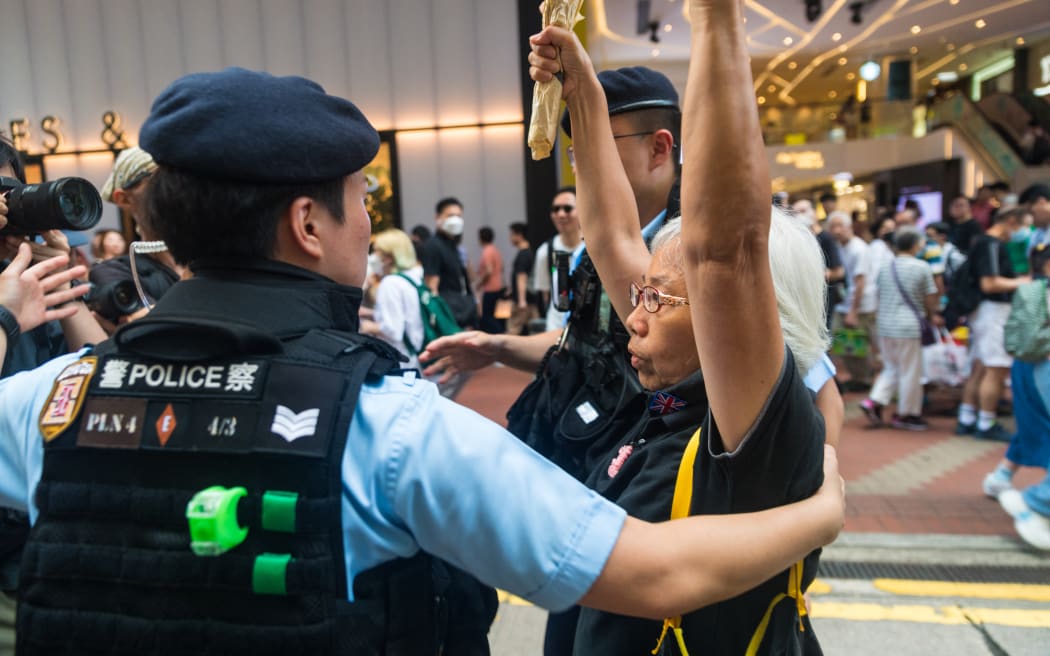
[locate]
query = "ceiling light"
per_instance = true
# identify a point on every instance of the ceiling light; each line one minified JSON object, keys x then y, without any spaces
{"x":833,"y":94}
{"x":1020,"y":41}
{"x":656,"y":52}
{"x":913,"y":50}
{"x":870,"y":70}
{"x":842,"y":61}
{"x":761,"y":100}
{"x":963,"y":66}
{"x":851,"y":76}
{"x":771,"y":88}
{"x":935,"y":81}
{"x":953,"y":2}
{"x":950,"y":46}
{"x":980,"y":24}
{"x":915,"y":29}
{"x":947,"y":77}
{"x":837,"y":36}
{"x":792,"y":65}
{"x":668,"y":27}
{"x":788,"y":40}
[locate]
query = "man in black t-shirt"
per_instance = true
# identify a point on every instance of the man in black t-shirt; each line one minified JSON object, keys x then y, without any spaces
{"x":834,"y":267}
{"x":523,"y":308}
{"x":965,"y":228}
{"x":991,"y":362}
{"x":443,"y":272}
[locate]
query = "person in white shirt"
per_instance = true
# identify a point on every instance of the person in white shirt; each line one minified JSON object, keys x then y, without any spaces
{"x":864,"y":300}
{"x":853,"y":248}
{"x":569,"y":239}
{"x":397,"y":316}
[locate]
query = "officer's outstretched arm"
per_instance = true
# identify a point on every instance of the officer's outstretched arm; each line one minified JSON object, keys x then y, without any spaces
{"x":667,"y":569}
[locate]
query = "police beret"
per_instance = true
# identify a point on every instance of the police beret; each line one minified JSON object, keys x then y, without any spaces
{"x":632,"y":89}
{"x":255,"y":127}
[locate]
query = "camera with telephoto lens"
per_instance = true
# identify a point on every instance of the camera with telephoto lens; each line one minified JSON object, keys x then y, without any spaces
{"x":114,"y":299}
{"x":65,"y":203}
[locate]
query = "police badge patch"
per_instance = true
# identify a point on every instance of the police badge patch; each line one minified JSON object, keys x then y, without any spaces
{"x":67,"y":396}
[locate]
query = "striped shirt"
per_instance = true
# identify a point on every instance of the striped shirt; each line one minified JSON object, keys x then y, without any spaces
{"x":895,"y":318}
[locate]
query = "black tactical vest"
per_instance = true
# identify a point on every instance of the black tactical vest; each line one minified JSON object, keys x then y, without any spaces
{"x":258,"y":406}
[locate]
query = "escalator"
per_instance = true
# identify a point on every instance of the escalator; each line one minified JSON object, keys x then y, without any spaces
{"x":995,"y":147}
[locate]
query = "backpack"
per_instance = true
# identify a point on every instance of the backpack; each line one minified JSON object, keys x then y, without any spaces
{"x":964,"y":293}
{"x":1027,"y":333}
{"x":438,"y":320}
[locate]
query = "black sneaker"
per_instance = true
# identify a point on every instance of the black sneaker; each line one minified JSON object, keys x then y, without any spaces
{"x":911,"y":423}
{"x":965,"y":429}
{"x":873,"y":411}
{"x":995,"y":433}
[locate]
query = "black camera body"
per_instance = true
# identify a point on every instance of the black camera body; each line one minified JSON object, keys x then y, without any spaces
{"x":114,"y":299}
{"x":65,"y":203}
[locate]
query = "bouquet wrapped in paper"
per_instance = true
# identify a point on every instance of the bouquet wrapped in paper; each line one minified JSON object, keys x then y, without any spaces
{"x":546,"y":96}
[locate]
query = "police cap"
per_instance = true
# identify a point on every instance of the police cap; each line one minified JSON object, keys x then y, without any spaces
{"x":250,"y":126}
{"x":632,"y":89}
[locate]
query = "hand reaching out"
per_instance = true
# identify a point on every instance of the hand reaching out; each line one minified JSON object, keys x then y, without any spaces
{"x":35,"y":293}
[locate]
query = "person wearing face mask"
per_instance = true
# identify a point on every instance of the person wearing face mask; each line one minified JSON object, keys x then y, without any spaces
{"x":991,"y":363}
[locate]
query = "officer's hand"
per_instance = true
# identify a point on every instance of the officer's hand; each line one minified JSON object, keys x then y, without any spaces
{"x":453,"y":354}
{"x":34,"y":293}
{"x":833,"y":491}
{"x":555,"y":50}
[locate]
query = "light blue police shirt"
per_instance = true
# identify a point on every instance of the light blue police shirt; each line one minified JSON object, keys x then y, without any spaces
{"x":419,"y":472}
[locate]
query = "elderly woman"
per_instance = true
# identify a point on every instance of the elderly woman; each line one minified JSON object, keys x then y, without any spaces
{"x":723,"y":316}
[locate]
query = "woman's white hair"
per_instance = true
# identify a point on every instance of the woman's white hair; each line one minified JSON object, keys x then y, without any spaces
{"x":797,"y":266}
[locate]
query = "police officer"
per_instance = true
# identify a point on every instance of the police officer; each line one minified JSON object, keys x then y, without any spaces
{"x":226,"y":474}
{"x":586,"y":395}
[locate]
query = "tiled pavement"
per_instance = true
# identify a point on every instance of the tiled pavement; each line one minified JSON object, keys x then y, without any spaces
{"x":898,"y":482}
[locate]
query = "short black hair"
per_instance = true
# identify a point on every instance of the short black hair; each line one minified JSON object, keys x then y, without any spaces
{"x":567,"y":189}
{"x":485,"y":235}
{"x":1013,"y":213}
{"x":198,"y":216}
{"x":1000,"y":185}
{"x":421,"y":232}
{"x":445,"y":202}
{"x":519,"y":228}
{"x":10,"y":156}
{"x":1034,"y":193}
{"x":1040,"y":256}
{"x":939,"y":227}
{"x":658,"y":118}
{"x":828,"y":197}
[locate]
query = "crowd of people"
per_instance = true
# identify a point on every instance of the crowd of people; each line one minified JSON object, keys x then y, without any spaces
{"x":248,"y":461}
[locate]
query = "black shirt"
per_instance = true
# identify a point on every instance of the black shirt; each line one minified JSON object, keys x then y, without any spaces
{"x":989,"y":258}
{"x":522,"y":264}
{"x":441,"y":258}
{"x":830,"y":248}
{"x":964,"y":234}
{"x":779,"y":462}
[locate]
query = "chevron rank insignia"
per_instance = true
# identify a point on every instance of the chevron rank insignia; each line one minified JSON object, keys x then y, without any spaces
{"x":66,"y":398}
{"x":292,"y":426}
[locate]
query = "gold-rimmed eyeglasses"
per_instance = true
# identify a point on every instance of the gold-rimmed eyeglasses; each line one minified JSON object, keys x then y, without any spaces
{"x":652,"y":298}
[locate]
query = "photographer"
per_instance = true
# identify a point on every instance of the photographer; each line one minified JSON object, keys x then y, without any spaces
{"x":114,"y":298}
{"x":60,"y":333}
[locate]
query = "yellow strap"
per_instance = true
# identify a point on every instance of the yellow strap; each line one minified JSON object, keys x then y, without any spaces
{"x":683,"y":498}
{"x":683,"y":485}
{"x":760,"y":632}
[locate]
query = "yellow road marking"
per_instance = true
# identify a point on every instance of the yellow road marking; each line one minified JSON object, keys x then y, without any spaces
{"x":1018,"y":591}
{"x":865,"y":612}
{"x":818,"y":587}
{"x":514,"y":600}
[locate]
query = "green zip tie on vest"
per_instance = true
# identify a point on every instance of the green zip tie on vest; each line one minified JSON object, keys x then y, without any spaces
{"x":278,"y":511}
{"x":212,"y":517}
{"x":270,"y":574}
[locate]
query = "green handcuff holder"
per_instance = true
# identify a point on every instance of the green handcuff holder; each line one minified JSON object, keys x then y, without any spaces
{"x":212,"y":518}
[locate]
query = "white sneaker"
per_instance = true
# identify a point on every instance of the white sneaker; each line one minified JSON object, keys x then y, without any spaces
{"x":994,"y":485}
{"x":1013,"y":503}
{"x":1033,"y":529}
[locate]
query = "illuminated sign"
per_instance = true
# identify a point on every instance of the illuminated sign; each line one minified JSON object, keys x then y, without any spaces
{"x":805,"y":159}
{"x":112,"y":134}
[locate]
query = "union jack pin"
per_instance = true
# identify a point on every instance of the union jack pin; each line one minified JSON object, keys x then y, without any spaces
{"x":662,"y":403}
